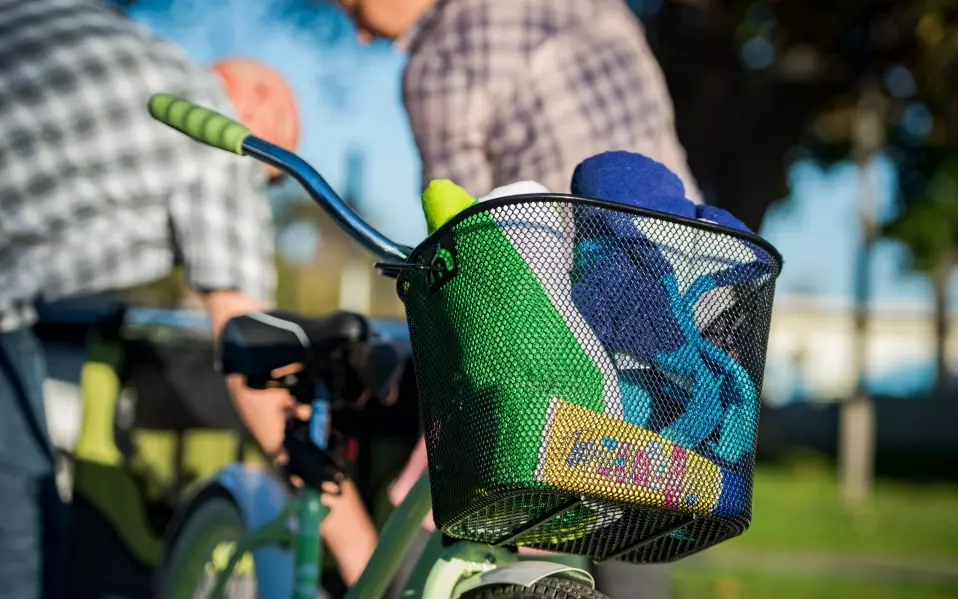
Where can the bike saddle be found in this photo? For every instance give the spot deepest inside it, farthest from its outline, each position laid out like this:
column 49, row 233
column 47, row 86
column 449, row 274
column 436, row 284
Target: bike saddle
column 256, row 344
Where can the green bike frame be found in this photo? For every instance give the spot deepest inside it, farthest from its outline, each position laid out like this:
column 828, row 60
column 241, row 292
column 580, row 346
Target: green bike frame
column 310, row 512
column 399, row 533
column 440, row 573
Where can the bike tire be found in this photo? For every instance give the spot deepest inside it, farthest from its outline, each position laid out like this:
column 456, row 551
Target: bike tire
column 185, row 569
column 547, row 588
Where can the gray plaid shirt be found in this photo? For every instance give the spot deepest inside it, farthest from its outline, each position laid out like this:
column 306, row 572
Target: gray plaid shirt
column 94, row 194
column 504, row 90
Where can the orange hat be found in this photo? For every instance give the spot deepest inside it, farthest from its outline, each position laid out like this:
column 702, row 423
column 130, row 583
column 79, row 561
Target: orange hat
column 263, row 100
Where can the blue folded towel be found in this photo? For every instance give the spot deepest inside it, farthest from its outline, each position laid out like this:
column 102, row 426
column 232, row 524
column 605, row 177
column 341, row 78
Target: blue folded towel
column 640, row 298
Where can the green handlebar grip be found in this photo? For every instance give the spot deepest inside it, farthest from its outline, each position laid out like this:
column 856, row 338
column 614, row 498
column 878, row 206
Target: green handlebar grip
column 202, row 124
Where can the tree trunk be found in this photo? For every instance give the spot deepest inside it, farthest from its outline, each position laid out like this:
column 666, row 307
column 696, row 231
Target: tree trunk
column 857, row 447
column 856, row 441
column 856, row 444
column 939, row 280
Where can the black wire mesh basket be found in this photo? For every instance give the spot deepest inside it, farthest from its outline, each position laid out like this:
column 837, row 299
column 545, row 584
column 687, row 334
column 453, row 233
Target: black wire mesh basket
column 589, row 375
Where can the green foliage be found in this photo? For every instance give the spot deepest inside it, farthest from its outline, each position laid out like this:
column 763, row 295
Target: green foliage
column 928, row 230
column 908, row 48
column 928, row 224
column 787, row 73
column 903, row 51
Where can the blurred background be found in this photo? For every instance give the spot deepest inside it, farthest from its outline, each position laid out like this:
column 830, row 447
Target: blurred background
column 829, row 127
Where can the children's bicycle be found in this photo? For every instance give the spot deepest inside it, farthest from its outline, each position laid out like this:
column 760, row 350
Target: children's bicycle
column 548, row 424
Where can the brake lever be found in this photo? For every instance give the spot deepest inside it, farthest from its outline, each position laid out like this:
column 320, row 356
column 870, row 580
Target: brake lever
column 378, row 367
column 259, row 382
column 307, row 461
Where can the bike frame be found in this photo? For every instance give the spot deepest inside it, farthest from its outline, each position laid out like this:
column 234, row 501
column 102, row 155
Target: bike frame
column 307, row 511
column 293, row 521
column 440, row 572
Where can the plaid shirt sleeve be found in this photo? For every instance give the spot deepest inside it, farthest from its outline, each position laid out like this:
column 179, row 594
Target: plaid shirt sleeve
column 222, row 227
column 221, row 218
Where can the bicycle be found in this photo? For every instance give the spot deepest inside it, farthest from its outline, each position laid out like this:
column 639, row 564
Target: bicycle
column 250, row 531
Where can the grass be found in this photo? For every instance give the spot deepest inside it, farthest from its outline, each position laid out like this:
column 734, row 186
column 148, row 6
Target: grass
column 738, row 585
column 804, row 543
column 797, row 508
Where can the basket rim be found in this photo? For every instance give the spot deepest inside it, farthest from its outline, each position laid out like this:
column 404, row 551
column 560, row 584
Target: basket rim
column 434, row 237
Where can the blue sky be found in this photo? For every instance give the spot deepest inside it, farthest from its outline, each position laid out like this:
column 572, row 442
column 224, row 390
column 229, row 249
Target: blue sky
column 817, row 231
column 349, row 96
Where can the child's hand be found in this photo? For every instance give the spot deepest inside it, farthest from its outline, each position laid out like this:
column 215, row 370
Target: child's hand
column 408, row 477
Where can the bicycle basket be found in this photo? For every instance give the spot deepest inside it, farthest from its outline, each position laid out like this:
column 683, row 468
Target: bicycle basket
column 589, row 375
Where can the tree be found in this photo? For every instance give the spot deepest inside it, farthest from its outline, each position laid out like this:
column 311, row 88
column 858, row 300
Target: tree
column 822, row 77
column 928, row 227
column 786, row 77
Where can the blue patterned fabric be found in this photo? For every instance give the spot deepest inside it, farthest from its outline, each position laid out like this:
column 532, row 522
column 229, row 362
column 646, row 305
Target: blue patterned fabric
column 629, row 292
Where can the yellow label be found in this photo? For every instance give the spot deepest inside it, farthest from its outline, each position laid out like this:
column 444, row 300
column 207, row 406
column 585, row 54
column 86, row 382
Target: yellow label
column 596, row 455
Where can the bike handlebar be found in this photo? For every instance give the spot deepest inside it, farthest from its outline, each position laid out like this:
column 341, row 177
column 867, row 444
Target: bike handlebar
column 202, row 124
column 221, row 132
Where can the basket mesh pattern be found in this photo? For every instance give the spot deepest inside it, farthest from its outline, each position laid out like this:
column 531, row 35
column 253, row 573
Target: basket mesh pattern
column 589, row 376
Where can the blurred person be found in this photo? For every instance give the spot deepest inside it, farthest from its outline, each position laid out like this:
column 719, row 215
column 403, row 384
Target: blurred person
column 96, row 196
column 498, row 92
column 502, row 91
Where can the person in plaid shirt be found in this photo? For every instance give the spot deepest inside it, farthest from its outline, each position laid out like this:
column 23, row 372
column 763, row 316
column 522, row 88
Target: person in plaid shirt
column 97, row 196
column 499, row 91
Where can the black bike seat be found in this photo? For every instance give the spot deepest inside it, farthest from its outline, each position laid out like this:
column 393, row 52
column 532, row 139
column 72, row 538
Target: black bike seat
column 256, row 344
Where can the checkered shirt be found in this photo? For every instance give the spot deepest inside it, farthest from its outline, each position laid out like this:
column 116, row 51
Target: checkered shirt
column 94, row 194
column 504, row 90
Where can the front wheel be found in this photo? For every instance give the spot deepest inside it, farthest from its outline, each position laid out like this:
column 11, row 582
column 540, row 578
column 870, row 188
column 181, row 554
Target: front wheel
column 547, row 588
column 200, row 551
